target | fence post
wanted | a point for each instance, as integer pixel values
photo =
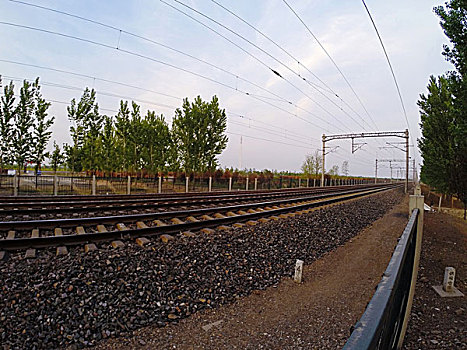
(210, 184)
(230, 184)
(246, 184)
(128, 185)
(256, 183)
(55, 185)
(159, 187)
(187, 179)
(299, 182)
(415, 202)
(314, 182)
(93, 187)
(15, 185)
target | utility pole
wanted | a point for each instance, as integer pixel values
(324, 153)
(406, 160)
(376, 171)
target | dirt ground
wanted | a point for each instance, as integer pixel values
(440, 323)
(317, 314)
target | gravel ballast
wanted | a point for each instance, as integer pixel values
(79, 299)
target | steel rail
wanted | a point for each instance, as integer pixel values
(59, 200)
(71, 207)
(76, 239)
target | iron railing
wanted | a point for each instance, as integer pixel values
(381, 326)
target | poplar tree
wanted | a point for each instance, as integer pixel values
(6, 123)
(23, 122)
(41, 128)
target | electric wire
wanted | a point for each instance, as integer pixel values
(260, 61)
(333, 62)
(153, 60)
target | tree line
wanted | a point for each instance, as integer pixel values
(130, 141)
(443, 111)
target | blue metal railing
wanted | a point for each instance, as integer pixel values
(381, 325)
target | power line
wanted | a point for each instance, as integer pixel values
(184, 53)
(390, 65)
(330, 90)
(150, 59)
(250, 54)
(333, 62)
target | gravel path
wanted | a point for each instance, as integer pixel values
(78, 300)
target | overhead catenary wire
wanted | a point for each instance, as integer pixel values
(242, 116)
(333, 62)
(150, 59)
(259, 60)
(390, 66)
(120, 31)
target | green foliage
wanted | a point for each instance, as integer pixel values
(7, 112)
(41, 132)
(56, 158)
(198, 134)
(444, 111)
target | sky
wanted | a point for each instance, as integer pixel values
(159, 52)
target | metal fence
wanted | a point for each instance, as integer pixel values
(383, 324)
(85, 185)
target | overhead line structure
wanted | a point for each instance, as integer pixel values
(275, 59)
(160, 62)
(249, 53)
(390, 161)
(401, 134)
(333, 62)
(330, 90)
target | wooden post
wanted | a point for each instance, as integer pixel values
(128, 185)
(210, 184)
(55, 185)
(256, 183)
(246, 184)
(230, 184)
(298, 271)
(187, 179)
(159, 187)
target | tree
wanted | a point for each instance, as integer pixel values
(198, 134)
(107, 146)
(23, 122)
(41, 132)
(345, 168)
(122, 132)
(443, 111)
(334, 170)
(56, 158)
(6, 123)
(312, 164)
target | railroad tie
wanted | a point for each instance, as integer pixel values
(90, 247)
(251, 211)
(219, 216)
(117, 244)
(101, 228)
(188, 234)
(80, 230)
(62, 250)
(259, 209)
(207, 217)
(238, 224)
(141, 224)
(223, 227)
(263, 220)
(242, 212)
(274, 217)
(231, 213)
(142, 241)
(166, 238)
(58, 232)
(251, 222)
(192, 219)
(159, 223)
(11, 235)
(30, 253)
(207, 230)
(176, 221)
(122, 227)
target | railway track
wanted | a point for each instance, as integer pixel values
(11, 211)
(60, 233)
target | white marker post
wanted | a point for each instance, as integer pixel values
(298, 271)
